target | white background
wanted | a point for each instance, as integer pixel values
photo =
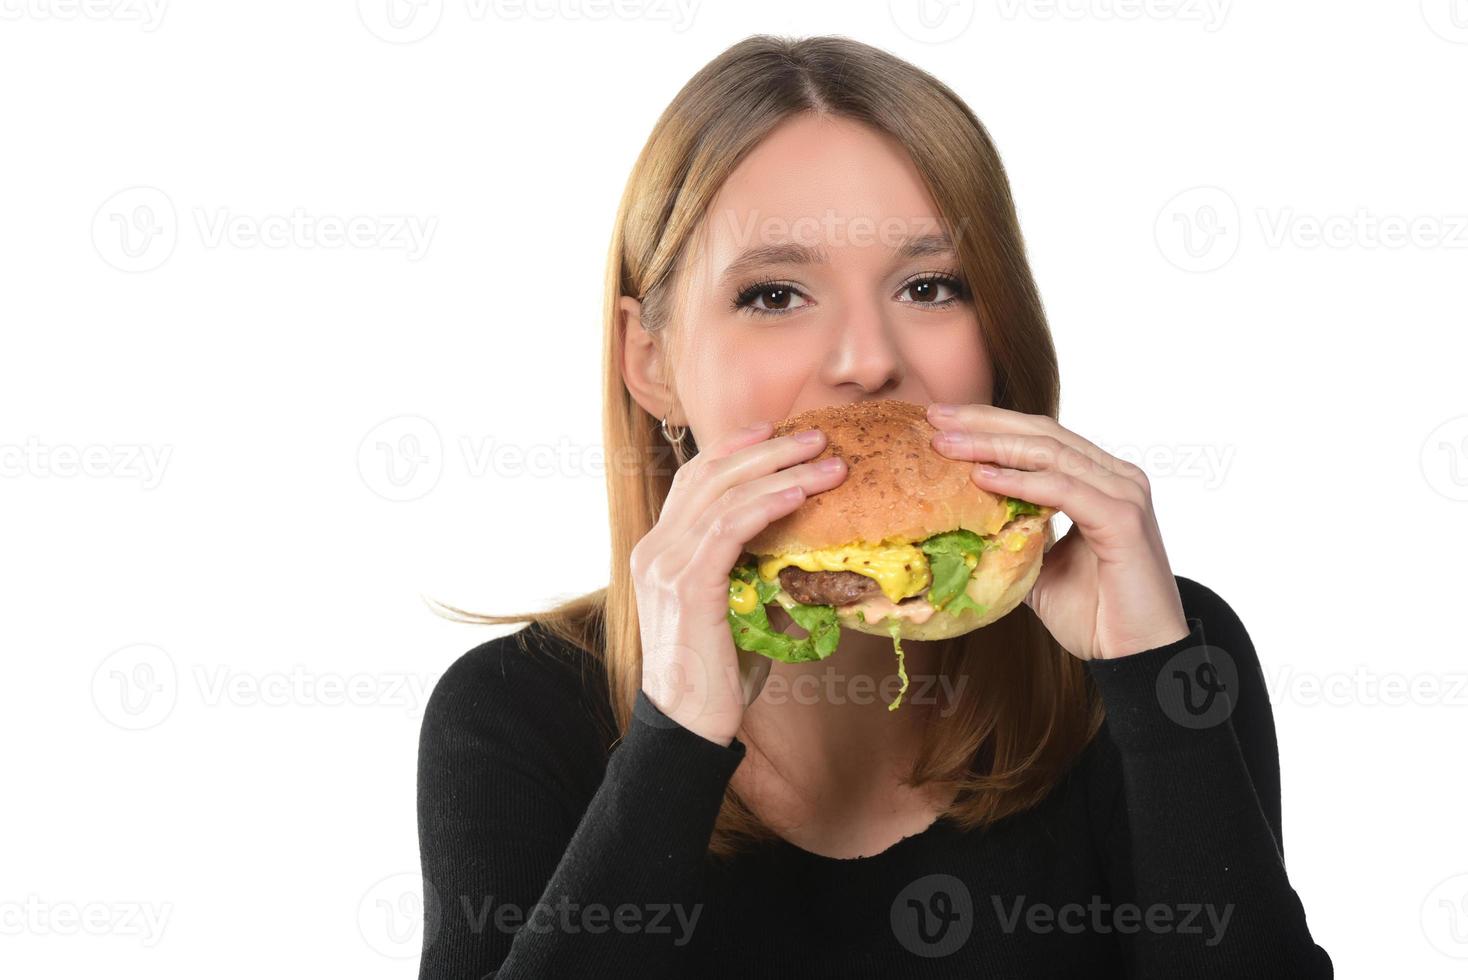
(249, 415)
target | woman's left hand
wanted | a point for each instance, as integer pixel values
(1105, 589)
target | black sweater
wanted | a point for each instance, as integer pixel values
(1158, 855)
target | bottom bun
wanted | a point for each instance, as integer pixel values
(942, 624)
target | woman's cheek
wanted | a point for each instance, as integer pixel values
(952, 365)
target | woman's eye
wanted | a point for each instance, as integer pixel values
(769, 298)
(777, 298)
(928, 291)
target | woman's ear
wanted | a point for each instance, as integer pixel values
(643, 368)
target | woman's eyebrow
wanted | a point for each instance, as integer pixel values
(781, 254)
(912, 247)
(918, 246)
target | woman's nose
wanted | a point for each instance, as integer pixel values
(864, 353)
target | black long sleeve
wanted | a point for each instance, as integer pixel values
(1193, 831)
(526, 800)
(502, 761)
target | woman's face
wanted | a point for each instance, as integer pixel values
(820, 276)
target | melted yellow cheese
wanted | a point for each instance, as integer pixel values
(899, 569)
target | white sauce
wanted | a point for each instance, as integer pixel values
(877, 609)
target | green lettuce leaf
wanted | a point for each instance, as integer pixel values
(1016, 507)
(946, 562)
(894, 629)
(962, 601)
(752, 630)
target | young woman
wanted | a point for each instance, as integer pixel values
(606, 793)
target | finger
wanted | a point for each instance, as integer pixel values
(1034, 452)
(700, 482)
(716, 546)
(1106, 521)
(809, 478)
(992, 418)
(743, 436)
(812, 476)
(669, 520)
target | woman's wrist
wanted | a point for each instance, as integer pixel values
(682, 713)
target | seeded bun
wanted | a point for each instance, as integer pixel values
(899, 488)
(897, 485)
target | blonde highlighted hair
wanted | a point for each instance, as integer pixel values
(1025, 707)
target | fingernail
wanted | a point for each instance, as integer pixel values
(808, 435)
(831, 465)
(942, 409)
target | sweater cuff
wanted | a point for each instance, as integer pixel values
(1168, 695)
(685, 753)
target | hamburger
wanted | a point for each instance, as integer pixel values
(906, 546)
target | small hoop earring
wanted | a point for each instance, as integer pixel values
(674, 439)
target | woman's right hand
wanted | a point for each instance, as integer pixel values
(720, 499)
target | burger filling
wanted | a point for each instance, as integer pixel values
(827, 588)
(897, 569)
(886, 583)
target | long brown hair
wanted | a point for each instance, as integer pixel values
(1025, 707)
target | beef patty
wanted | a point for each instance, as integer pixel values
(827, 588)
